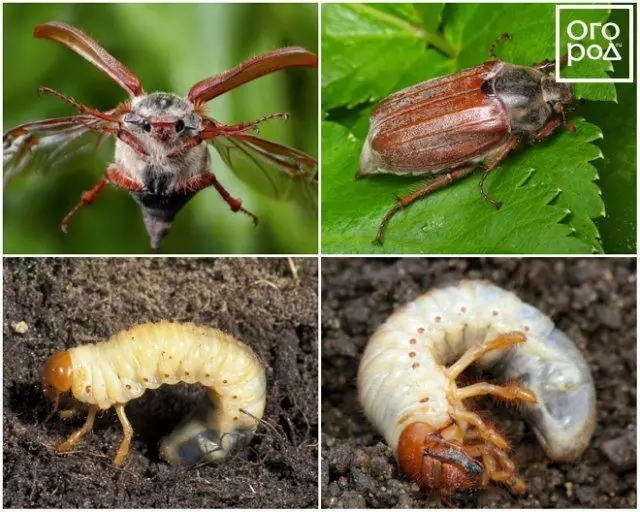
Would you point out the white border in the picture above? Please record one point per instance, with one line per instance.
(628, 80)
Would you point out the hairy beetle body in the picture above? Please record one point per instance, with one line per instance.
(460, 122)
(163, 179)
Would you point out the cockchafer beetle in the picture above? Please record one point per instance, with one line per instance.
(161, 156)
(453, 125)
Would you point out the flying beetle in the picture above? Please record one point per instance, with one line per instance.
(161, 153)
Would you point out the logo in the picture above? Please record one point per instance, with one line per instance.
(585, 34)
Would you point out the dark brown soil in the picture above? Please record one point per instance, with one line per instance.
(66, 302)
(592, 300)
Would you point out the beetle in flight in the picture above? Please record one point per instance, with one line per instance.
(161, 155)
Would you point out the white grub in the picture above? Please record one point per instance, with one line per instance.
(407, 372)
(112, 373)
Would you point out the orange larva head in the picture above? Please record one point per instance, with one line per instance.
(57, 373)
(437, 464)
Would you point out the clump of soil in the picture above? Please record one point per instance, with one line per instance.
(66, 302)
(592, 300)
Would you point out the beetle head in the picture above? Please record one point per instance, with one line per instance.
(162, 116)
(555, 94)
(57, 376)
(437, 464)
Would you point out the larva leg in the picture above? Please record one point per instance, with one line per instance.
(486, 432)
(477, 351)
(510, 391)
(56, 404)
(78, 434)
(125, 445)
(498, 466)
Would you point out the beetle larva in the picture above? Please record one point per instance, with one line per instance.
(407, 385)
(111, 373)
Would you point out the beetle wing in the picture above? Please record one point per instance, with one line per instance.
(44, 145)
(88, 48)
(277, 171)
(251, 69)
(436, 125)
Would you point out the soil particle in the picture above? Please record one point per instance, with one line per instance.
(622, 450)
(592, 300)
(67, 302)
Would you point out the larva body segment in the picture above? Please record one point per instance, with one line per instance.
(407, 377)
(112, 373)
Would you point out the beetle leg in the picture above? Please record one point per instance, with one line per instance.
(501, 341)
(119, 179)
(498, 466)
(458, 412)
(485, 196)
(87, 197)
(113, 176)
(207, 179)
(78, 434)
(544, 65)
(125, 445)
(405, 201)
(548, 129)
(511, 391)
(488, 434)
(512, 144)
(128, 138)
(124, 135)
(212, 130)
(83, 109)
(56, 404)
(549, 65)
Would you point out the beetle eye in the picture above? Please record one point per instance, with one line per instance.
(179, 125)
(145, 125)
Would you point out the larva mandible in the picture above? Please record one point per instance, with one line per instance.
(111, 373)
(407, 385)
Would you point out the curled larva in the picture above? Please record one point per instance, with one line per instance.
(407, 385)
(111, 373)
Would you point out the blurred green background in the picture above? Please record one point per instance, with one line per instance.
(170, 47)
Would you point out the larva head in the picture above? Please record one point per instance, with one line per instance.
(437, 464)
(57, 373)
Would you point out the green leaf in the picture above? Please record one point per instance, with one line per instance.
(431, 15)
(361, 48)
(548, 200)
(618, 169)
(472, 28)
(549, 190)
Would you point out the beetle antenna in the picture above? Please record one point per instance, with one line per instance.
(81, 108)
(499, 40)
(253, 125)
